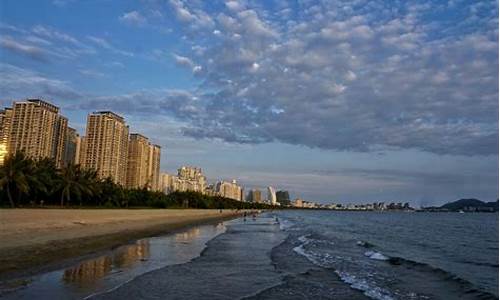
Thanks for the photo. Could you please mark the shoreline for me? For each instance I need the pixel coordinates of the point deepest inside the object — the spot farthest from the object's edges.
(39, 249)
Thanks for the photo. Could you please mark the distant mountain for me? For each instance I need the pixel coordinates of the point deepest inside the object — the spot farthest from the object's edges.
(470, 205)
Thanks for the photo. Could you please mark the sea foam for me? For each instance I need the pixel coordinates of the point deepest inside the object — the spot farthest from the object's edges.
(376, 255)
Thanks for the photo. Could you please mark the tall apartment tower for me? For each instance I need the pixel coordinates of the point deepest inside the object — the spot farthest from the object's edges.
(37, 128)
(271, 195)
(72, 147)
(154, 167)
(138, 161)
(5, 124)
(106, 146)
(229, 190)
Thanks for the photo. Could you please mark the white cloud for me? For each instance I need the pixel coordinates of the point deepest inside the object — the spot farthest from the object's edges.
(361, 71)
(133, 18)
(105, 44)
(235, 5)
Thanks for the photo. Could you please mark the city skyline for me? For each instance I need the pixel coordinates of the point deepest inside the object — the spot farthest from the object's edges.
(334, 102)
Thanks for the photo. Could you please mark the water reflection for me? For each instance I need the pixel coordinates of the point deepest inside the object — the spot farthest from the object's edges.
(187, 236)
(88, 271)
(92, 270)
(119, 266)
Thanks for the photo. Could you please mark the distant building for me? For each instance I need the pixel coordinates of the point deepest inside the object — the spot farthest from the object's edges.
(154, 167)
(191, 179)
(298, 203)
(138, 161)
(283, 197)
(169, 183)
(229, 190)
(271, 195)
(254, 196)
(187, 179)
(106, 146)
(5, 125)
(72, 147)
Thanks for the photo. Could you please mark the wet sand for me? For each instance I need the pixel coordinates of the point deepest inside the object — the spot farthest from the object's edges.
(33, 240)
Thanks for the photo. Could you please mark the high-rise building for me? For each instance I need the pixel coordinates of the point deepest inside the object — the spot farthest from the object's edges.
(283, 197)
(229, 190)
(154, 167)
(106, 146)
(187, 179)
(169, 183)
(78, 148)
(83, 151)
(72, 147)
(37, 129)
(138, 161)
(191, 179)
(254, 196)
(271, 195)
(5, 124)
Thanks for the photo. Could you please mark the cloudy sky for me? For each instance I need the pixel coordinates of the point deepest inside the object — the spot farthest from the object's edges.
(335, 101)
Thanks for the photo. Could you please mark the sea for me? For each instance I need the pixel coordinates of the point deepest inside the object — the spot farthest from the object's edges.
(295, 254)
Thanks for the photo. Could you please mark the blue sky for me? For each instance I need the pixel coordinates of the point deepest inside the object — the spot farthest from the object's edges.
(335, 101)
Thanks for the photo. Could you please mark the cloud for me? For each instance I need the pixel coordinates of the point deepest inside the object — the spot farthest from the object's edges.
(103, 43)
(133, 18)
(197, 18)
(51, 33)
(19, 83)
(234, 5)
(349, 77)
(187, 62)
(92, 73)
(30, 51)
(43, 43)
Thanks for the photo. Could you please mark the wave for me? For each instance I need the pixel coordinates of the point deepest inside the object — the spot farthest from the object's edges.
(369, 287)
(364, 244)
(444, 275)
(376, 255)
(285, 224)
(322, 260)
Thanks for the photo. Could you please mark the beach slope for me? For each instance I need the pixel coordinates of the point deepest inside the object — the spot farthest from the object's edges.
(31, 240)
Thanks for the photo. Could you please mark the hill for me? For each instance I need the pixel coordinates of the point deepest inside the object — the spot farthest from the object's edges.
(470, 205)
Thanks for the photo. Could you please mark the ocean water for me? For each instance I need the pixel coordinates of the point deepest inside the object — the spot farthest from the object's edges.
(336, 255)
(398, 255)
(296, 254)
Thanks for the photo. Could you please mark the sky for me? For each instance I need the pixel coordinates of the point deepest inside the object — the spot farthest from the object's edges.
(335, 101)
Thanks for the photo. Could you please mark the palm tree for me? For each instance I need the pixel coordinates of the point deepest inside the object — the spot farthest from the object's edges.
(16, 174)
(72, 181)
(45, 178)
(90, 178)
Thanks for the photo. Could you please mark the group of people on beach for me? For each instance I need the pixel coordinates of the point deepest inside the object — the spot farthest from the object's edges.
(245, 214)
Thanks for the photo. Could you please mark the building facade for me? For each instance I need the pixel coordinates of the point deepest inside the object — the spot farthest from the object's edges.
(187, 179)
(254, 196)
(154, 167)
(72, 147)
(138, 161)
(229, 190)
(106, 146)
(5, 124)
(283, 197)
(35, 127)
(271, 195)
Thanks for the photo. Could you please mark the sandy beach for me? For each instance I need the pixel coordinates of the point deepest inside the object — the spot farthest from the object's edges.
(32, 239)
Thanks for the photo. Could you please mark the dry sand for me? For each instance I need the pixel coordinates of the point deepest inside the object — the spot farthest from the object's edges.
(32, 238)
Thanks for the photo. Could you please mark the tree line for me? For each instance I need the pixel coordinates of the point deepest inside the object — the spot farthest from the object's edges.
(26, 182)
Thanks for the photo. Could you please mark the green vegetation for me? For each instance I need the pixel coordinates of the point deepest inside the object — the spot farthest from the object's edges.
(25, 182)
